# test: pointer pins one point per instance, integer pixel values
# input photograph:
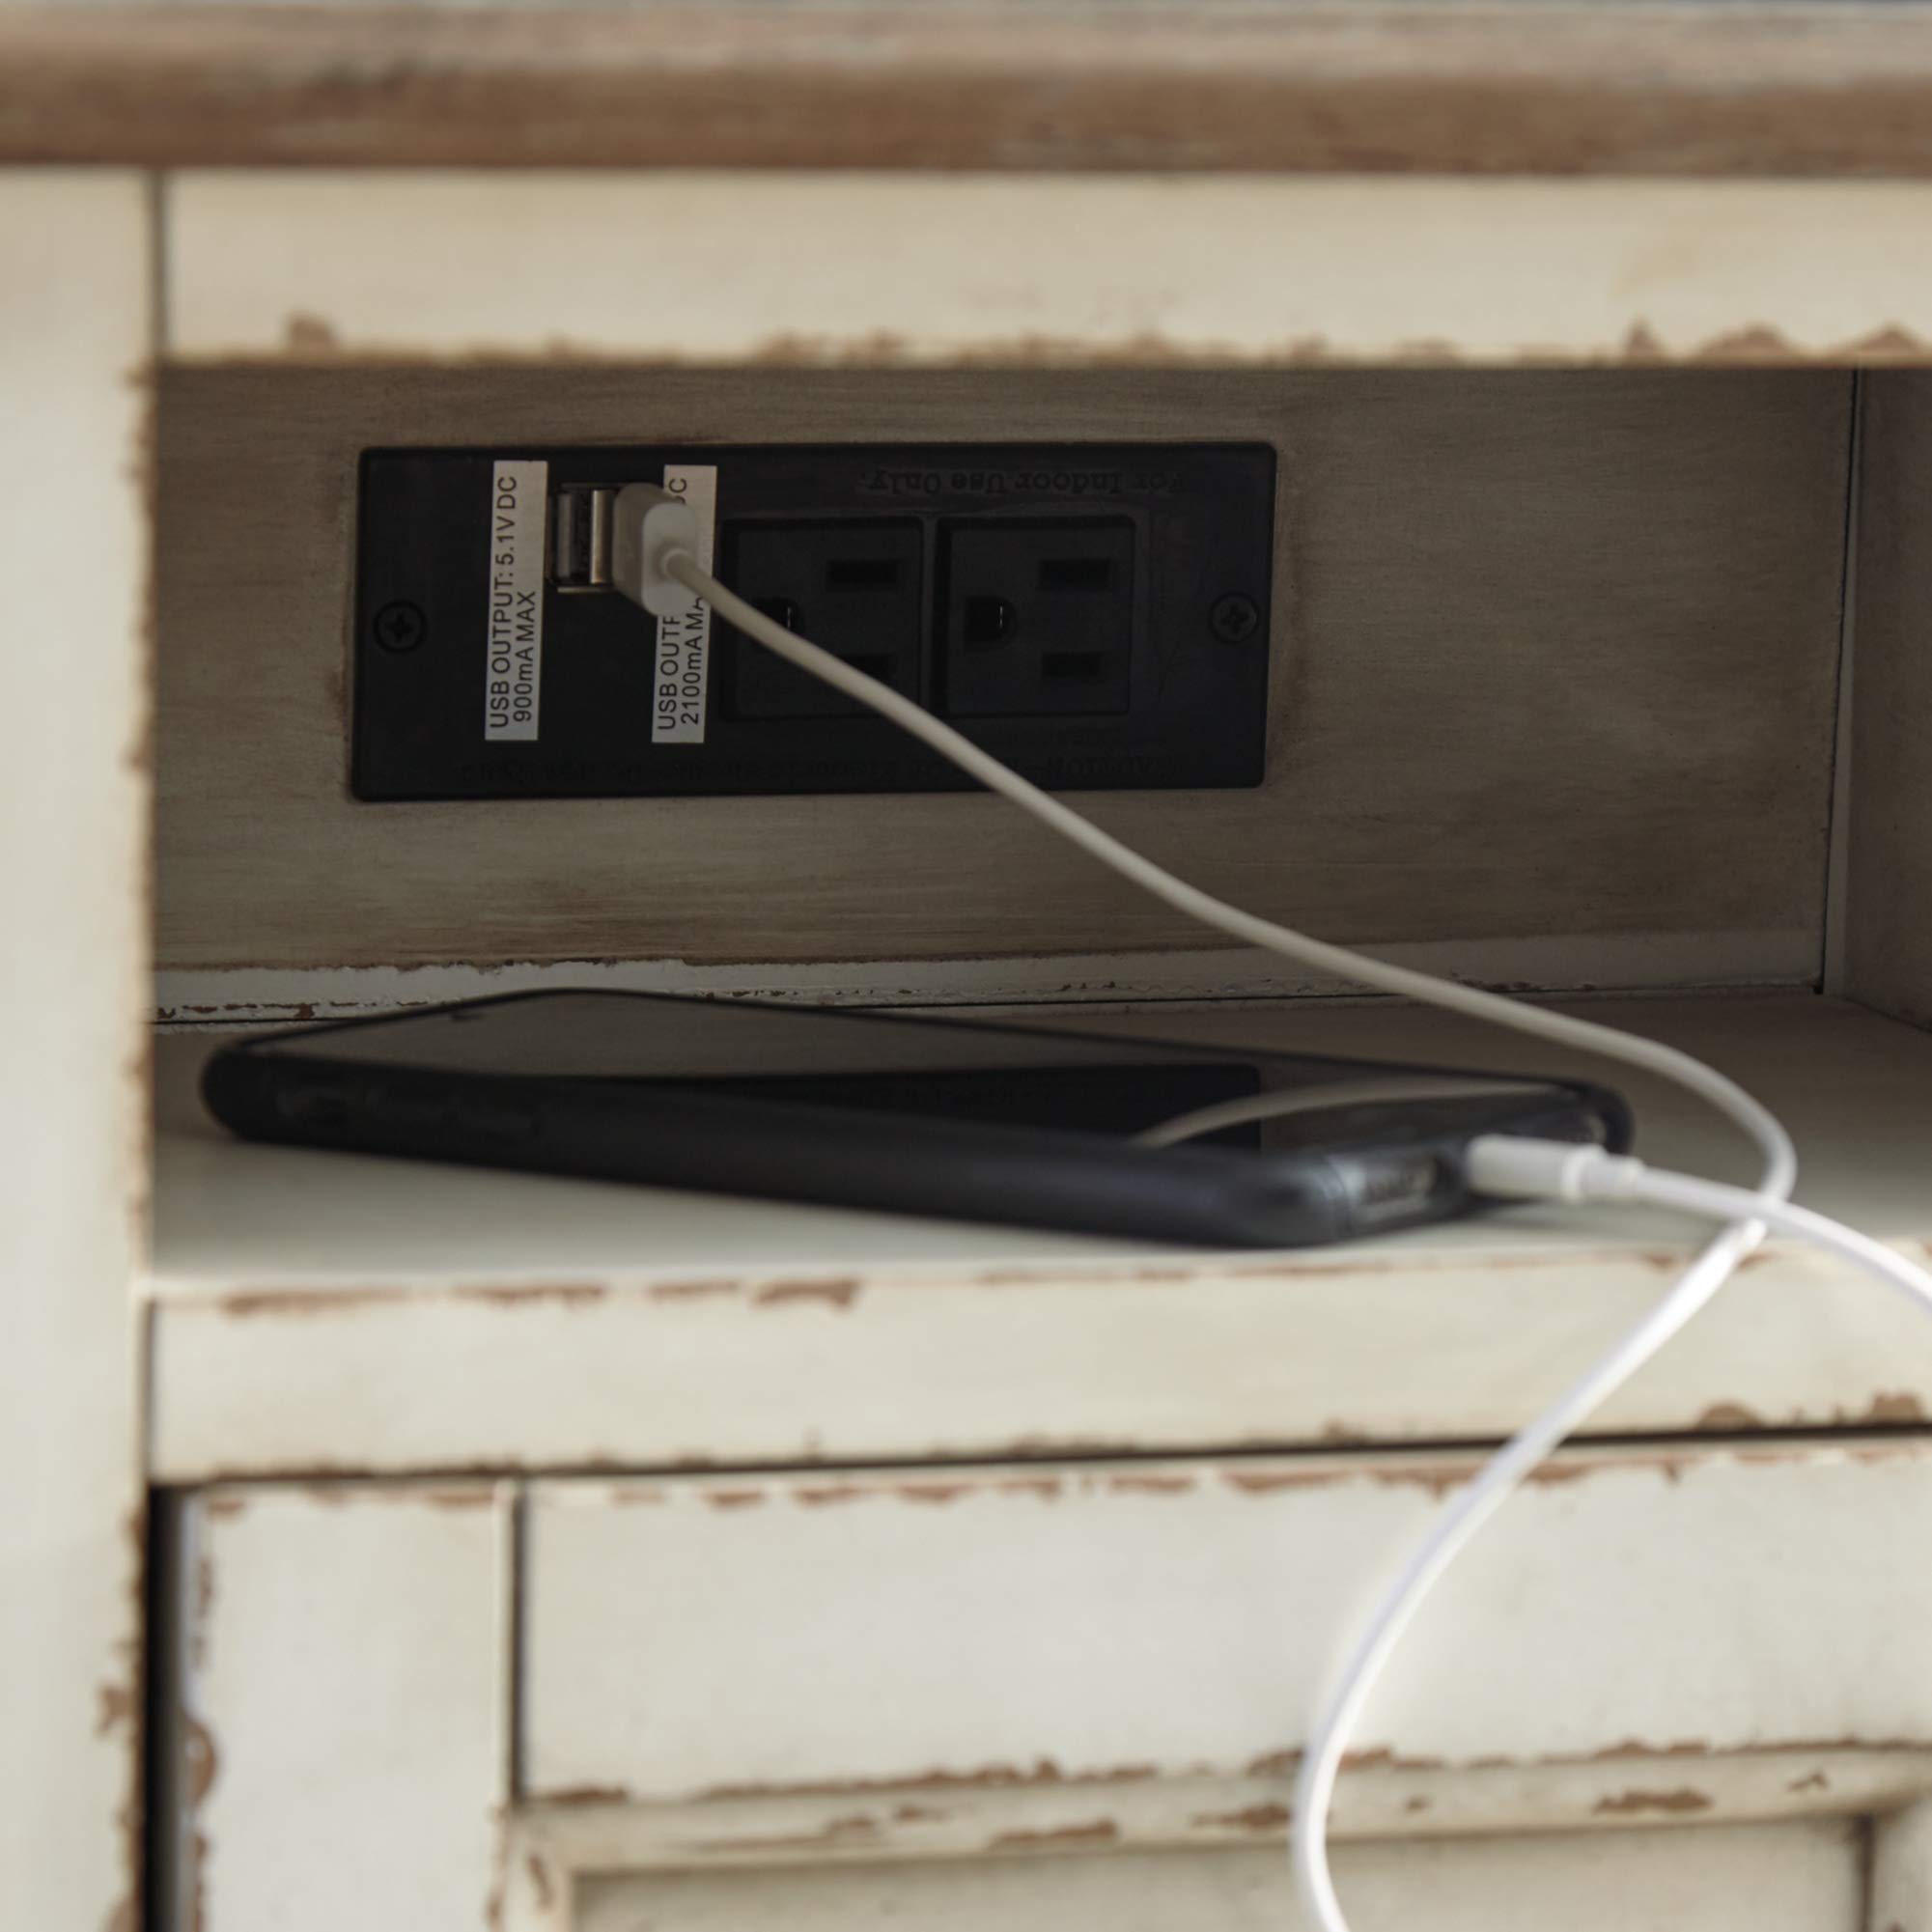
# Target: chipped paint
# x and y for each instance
(1044, 1771)
(819, 1496)
(1440, 1478)
(1099, 1832)
(1285, 1764)
(1698, 1747)
(1815, 1781)
(376, 1482)
(1553, 1474)
(310, 339)
(693, 1291)
(1268, 1482)
(1251, 1818)
(309, 335)
(114, 1706)
(838, 1292)
(1381, 1758)
(195, 1857)
(1437, 1482)
(587, 1794)
(1729, 1415)
(1637, 1748)
(455, 1498)
(246, 1302)
(855, 1828)
(1005, 1813)
(564, 1293)
(1627, 1803)
(539, 1871)
(200, 1761)
(1893, 1407)
(1755, 346)
(299, 1300)
(734, 1498)
(325, 1494)
(499, 1878)
(202, 1610)
(1884, 1452)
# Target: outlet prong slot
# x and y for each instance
(862, 574)
(781, 610)
(989, 621)
(1073, 666)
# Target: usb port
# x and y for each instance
(581, 536)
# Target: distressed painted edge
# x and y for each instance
(243, 996)
(1021, 1811)
(1045, 271)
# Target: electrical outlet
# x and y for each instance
(1039, 617)
(1095, 615)
(854, 586)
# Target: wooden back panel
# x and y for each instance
(1888, 876)
(1556, 660)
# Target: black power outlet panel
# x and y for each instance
(1096, 615)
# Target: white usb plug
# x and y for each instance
(647, 525)
(1510, 1169)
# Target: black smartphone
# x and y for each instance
(869, 1109)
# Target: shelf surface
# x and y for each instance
(1529, 86)
(321, 1311)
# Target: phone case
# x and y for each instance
(664, 1133)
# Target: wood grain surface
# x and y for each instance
(1888, 928)
(1556, 657)
(1535, 87)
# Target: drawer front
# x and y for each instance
(930, 1698)
(1039, 1625)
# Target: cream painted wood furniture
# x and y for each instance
(396, 1546)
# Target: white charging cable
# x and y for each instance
(654, 541)
(1508, 1168)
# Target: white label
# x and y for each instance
(514, 678)
(683, 634)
